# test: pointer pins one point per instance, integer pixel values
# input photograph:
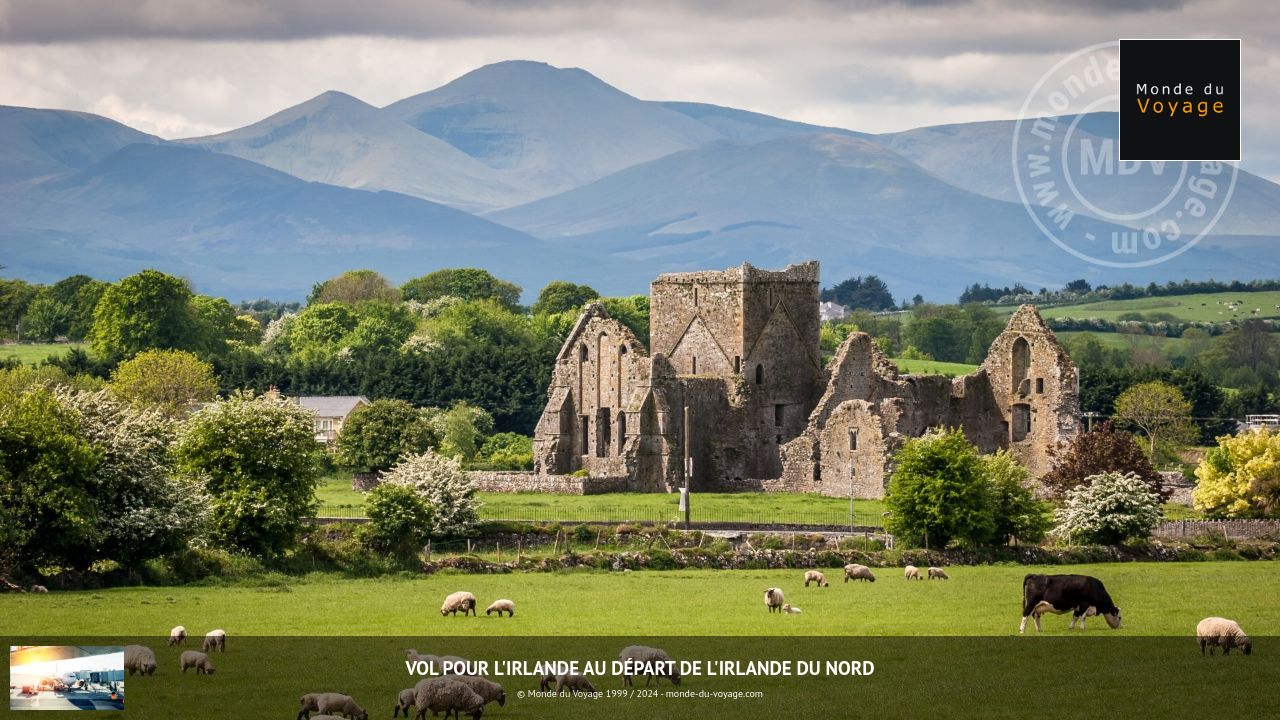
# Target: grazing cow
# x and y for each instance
(1081, 595)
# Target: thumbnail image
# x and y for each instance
(66, 677)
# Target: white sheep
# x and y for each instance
(1213, 632)
(447, 694)
(403, 702)
(484, 687)
(815, 576)
(413, 655)
(197, 660)
(658, 663)
(911, 572)
(773, 599)
(177, 636)
(460, 601)
(139, 659)
(938, 574)
(501, 606)
(574, 684)
(39, 589)
(215, 640)
(791, 609)
(331, 703)
(853, 571)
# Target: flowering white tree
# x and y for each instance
(444, 487)
(1109, 509)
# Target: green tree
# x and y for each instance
(15, 296)
(464, 283)
(215, 322)
(353, 287)
(632, 311)
(1111, 509)
(377, 435)
(447, 492)
(1159, 412)
(258, 460)
(46, 318)
(939, 492)
(1240, 478)
(1104, 449)
(506, 451)
(1016, 511)
(320, 328)
(867, 293)
(400, 520)
(144, 311)
(171, 381)
(560, 296)
(462, 430)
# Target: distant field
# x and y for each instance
(933, 367)
(1205, 307)
(32, 353)
(1124, 341)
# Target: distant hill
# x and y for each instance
(39, 143)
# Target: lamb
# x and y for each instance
(197, 660)
(215, 639)
(484, 687)
(331, 703)
(652, 657)
(773, 599)
(815, 576)
(858, 572)
(911, 572)
(938, 574)
(574, 684)
(1213, 632)
(460, 601)
(447, 694)
(177, 636)
(39, 589)
(791, 609)
(405, 701)
(139, 659)
(501, 606)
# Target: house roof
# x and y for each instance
(332, 406)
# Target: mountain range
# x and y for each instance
(540, 173)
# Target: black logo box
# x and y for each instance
(1186, 68)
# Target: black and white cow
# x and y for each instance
(1080, 595)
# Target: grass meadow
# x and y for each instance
(1202, 307)
(33, 353)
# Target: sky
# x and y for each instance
(179, 68)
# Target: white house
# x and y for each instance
(331, 412)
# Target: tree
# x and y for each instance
(320, 328)
(464, 283)
(377, 435)
(1111, 509)
(1159, 411)
(1078, 286)
(1016, 511)
(446, 491)
(939, 491)
(506, 451)
(1104, 449)
(869, 293)
(46, 317)
(257, 458)
(15, 296)
(353, 287)
(1240, 478)
(560, 296)
(144, 311)
(400, 520)
(172, 381)
(632, 311)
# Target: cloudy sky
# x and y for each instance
(178, 68)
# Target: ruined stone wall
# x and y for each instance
(530, 481)
(705, 306)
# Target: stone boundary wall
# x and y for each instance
(1232, 529)
(512, 481)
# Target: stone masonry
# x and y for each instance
(737, 352)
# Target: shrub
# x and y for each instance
(1112, 508)
(506, 451)
(1105, 449)
(1241, 477)
(939, 492)
(445, 490)
(1016, 511)
(400, 520)
(376, 436)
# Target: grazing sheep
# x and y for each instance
(651, 656)
(484, 687)
(447, 694)
(815, 576)
(937, 573)
(501, 606)
(791, 609)
(197, 660)
(413, 655)
(403, 702)
(773, 599)
(39, 589)
(460, 601)
(215, 639)
(574, 684)
(858, 572)
(139, 659)
(911, 572)
(177, 636)
(544, 682)
(331, 704)
(1213, 632)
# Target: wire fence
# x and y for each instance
(650, 516)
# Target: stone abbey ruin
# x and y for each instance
(736, 352)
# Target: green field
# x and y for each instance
(33, 353)
(933, 367)
(1204, 307)
(1168, 346)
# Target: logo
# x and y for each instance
(1082, 196)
